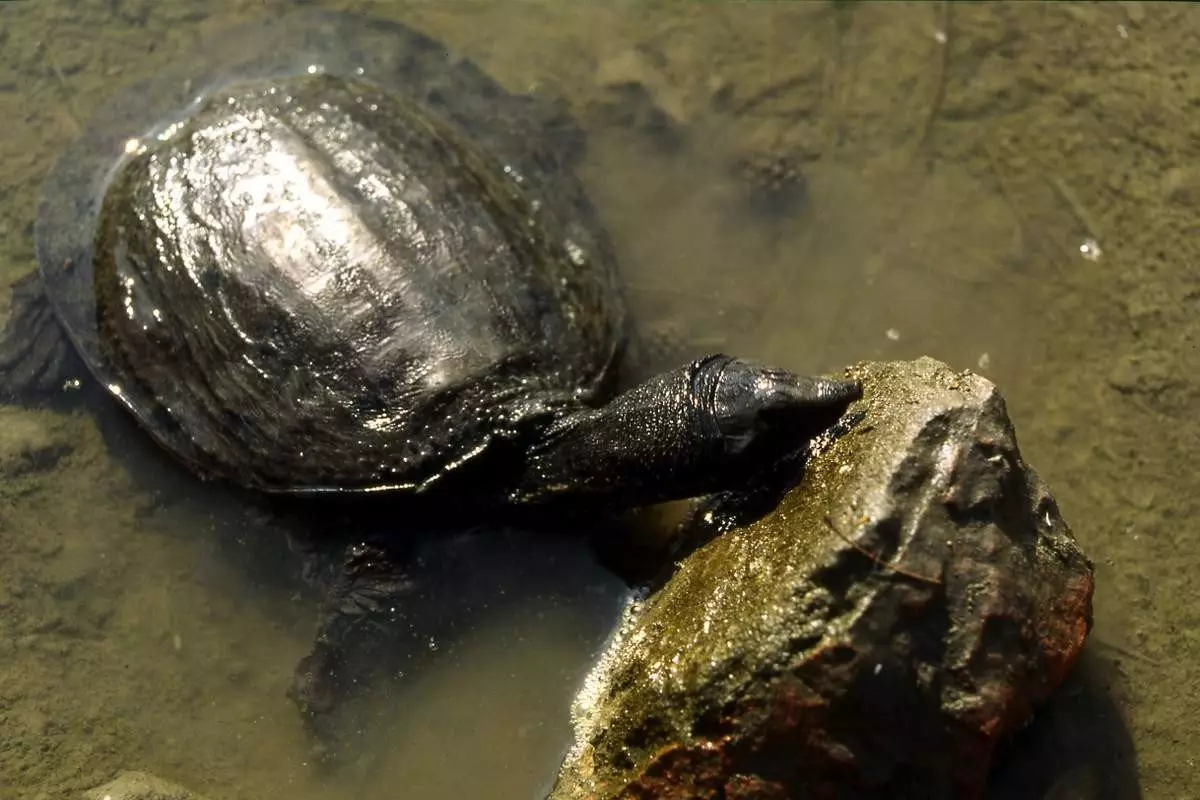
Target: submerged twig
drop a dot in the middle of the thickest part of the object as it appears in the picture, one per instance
(843, 24)
(68, 106)
(877, 560)
(1006, 193)
(772, 91)
(1010, 198)
(1128, 653)
(1078, 210)
(939, 93)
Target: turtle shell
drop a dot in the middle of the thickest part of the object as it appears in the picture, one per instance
(353, 265)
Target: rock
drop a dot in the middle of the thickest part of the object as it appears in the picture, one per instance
(776, 181)
(140, 786)
(646, 69)
(636, 94)
(902, 611)
(31, 442)
(1181, 185)
(1150, 372)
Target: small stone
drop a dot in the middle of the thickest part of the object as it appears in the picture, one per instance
(775, 181)
(1148, 307)
(1148, 373)
(877, 634)
(1135, 12)
(634, 67)
(237, 672)
(36, 722)
(31, 442)
(134, 785)
(1181, 185)
(637, 95)
(1090, 250)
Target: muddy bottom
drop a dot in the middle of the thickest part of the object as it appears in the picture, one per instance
(1009, 188)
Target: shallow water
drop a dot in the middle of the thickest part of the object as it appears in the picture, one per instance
(1009, 188)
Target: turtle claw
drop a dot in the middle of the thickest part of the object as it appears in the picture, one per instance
(367, 593)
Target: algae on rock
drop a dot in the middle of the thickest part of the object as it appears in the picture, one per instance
(877, 634)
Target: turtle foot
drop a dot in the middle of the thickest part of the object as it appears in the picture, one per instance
(314, 685)
(37, 361)
(367, 595)
(316, 689)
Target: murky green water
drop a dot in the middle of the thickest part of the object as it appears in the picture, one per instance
(960, 167)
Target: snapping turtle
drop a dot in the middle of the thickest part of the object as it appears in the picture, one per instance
(358, 274)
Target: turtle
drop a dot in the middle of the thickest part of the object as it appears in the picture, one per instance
(340, 274)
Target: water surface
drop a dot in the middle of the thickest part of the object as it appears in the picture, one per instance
(1010, 188)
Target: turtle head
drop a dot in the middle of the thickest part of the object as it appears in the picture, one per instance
(715, 424)
(760, 413)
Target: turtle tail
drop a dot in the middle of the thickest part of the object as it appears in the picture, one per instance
(37, 361)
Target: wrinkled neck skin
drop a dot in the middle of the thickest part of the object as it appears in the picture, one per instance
(681, 434)
(646, 445)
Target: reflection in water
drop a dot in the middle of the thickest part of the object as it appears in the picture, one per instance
(952, 166)
(503, 629)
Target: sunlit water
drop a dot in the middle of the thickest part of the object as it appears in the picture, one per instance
(1009, 189)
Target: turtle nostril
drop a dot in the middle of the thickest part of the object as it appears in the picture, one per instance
(828, 392)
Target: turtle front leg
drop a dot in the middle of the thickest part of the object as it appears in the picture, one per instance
(723, 511)
(366, 594)
(37, 361)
